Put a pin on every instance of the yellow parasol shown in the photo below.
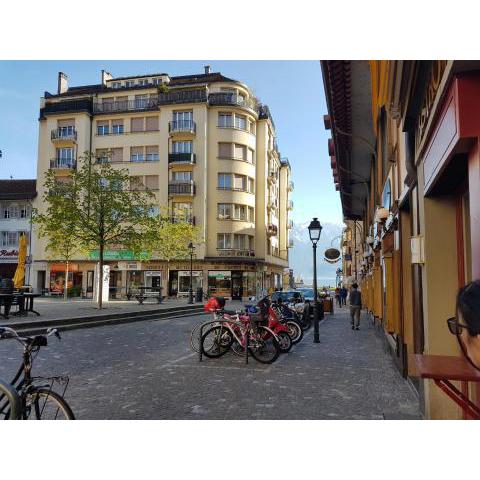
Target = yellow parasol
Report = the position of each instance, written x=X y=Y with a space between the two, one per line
x=19 y=277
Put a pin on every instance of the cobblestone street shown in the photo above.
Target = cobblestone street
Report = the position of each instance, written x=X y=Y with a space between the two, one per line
x=147 y=370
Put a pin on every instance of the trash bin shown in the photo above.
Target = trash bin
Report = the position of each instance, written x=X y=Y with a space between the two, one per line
x=199 y=295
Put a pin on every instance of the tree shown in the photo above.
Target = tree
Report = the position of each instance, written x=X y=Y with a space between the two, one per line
x=103 y=207
x=60 y=233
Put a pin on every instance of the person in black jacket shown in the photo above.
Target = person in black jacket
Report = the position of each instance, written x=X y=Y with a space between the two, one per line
x=355 y=306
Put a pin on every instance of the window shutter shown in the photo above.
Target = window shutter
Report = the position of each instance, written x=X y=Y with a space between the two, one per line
x=66 y=123
x=152 y=149
x=136 y=125
x=136 y=150
x=225 y=150
x=117 y=154
x=151 y=123
x=249 y=155
x=239 y=152
x=151 y=182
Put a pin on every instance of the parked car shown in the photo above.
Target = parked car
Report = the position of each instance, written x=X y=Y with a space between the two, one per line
x=308 y=296
x=296 y=297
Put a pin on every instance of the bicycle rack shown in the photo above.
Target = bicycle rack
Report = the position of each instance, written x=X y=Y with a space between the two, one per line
x=211 y=322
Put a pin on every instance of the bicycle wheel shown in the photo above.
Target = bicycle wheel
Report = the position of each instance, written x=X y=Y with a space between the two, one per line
x=216 y=342
x=44 y=404
x=263 y=346
x=10 y=405
x=295 y=331
x=195 y=338
x=284 y=342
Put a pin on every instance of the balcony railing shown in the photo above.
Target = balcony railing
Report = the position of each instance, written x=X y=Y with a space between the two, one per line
x=181 y=158
x=290 y=205
x=235 y=252
x=61 y=134
x=264 y=112
x=290 y=244
x=181 y=188
x=225 y=98
x=60 y=163
x=291 y=186
x=176 y=126
x=186 y=96
x=183 y=219
x=290 y=224
x=66 y=107
x=126 y=105
x=272 y=230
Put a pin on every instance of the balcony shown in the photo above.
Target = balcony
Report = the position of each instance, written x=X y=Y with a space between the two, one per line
x=290 y=224
x=235 y=252
x=63 y=164
x=186 y=96
x=68 y=106
x=183 y=219
x=272 y=177
x=64 y=135
x=290 y=243
x=182 y=126
x=140 y=104
x=226 y=98
x=291 y=186
x=181 y=158
x=290 y=205
x=272 y=230
x=181 y=188
x=272 y=204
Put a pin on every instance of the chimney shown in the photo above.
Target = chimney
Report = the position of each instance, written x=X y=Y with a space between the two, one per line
x=62 y=83
x=207 y=69
x=106 y=76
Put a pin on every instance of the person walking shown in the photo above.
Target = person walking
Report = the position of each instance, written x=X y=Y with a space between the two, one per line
x=355 y=306
x=343 y=296
x=337 y=296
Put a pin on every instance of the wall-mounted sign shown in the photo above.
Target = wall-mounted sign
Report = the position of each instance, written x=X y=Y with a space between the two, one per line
x=220 y=275
x=195 y=273
x=8 y=253
x=117 y=255
x=153 y=273
x=417 y=249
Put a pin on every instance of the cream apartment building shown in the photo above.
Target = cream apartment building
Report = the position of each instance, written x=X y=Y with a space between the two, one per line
x=206 y=148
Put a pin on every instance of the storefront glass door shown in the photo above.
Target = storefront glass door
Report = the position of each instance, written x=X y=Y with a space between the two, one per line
x=237 y=285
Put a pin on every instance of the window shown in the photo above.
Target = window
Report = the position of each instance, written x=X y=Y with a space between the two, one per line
x=251 y=242
x=182 y=176
x=141 y=101
x=225 y=181
x=241 y=122
x=250 y=154
x=130 y=83
x=117 y=155
x=12 y=239
x=65 y=128
x=136 y=124
x=239 y=212
x=225 y=120
x=102 y=128
x=239 y=152
x=64 y=156
x=151 y=124
x=25 y=211
x=143 y=83
x=6 y=212
x=152 y=153
x=224 y=211
x=239 y=182
x=102 y=155
x=251 y=214
x=225 y=150
x=186 y=116
x=182 y=147
x=251 y=185
x=116 y=84
x=224 y=241
x=156 y=81
x=151 y=182
x=122 y=103
x=117 y=127
x=136 y=154
x=239 y=242
x=107 y=104
x=182 y=210
x=251 y=127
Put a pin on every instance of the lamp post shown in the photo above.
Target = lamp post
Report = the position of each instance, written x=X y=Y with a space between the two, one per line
x=191 y=247
x=314 y=230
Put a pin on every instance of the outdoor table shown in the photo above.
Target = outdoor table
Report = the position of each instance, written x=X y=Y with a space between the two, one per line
x=28 y=307
x=442 y=370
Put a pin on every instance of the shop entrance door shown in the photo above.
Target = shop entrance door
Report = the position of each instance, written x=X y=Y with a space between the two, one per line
x=156 y=282
x=237 y=285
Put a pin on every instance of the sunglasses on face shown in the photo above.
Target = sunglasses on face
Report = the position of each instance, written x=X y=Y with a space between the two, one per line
x=455 y=327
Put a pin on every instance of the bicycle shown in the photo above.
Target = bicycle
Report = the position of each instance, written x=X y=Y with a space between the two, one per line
x=38 y=400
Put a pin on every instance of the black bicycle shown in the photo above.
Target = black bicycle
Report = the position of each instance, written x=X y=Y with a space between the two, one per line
x=33 y=398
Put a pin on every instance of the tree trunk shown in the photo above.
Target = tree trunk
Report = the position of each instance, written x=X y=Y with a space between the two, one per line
x=65 y=288
x=100 y=279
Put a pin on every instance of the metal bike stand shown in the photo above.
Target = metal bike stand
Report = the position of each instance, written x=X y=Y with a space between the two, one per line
x=247 y=340
x=200 y=354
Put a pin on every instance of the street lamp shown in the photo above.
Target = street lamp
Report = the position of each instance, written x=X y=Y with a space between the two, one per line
x=314 y=230
x=191 y=247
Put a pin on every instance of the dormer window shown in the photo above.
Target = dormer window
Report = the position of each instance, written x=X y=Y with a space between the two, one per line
x=116 y=84
x=156 y=81
x=129 y=83
x=143 y=83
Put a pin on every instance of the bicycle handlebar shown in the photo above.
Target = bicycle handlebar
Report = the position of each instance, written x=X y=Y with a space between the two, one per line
x=7 y=332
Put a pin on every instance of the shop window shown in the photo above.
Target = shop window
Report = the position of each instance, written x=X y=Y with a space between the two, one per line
x=220 y=283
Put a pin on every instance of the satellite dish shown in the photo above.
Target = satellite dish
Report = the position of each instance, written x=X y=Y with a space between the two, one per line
x=332 y=254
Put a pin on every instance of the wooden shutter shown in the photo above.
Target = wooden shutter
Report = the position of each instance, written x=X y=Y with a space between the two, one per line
x=151 y=124
x=136 y=125
x=66 y=123
x=239 y=151
x=151 y=182
x=225 y=150
x=117 y=154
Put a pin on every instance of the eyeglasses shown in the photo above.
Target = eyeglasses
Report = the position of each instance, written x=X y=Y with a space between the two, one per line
x=455 y=327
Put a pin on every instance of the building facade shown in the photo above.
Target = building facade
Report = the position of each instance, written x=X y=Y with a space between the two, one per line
x=405 y=158
x=16 y=197
x=207 y=150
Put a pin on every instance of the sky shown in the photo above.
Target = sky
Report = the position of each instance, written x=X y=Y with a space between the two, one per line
x=292 y=89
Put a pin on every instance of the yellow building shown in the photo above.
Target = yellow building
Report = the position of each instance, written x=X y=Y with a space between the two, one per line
x=206 y=148
x=406 y=161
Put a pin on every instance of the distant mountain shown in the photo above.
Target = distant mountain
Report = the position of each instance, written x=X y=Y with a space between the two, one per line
x=301 y=255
